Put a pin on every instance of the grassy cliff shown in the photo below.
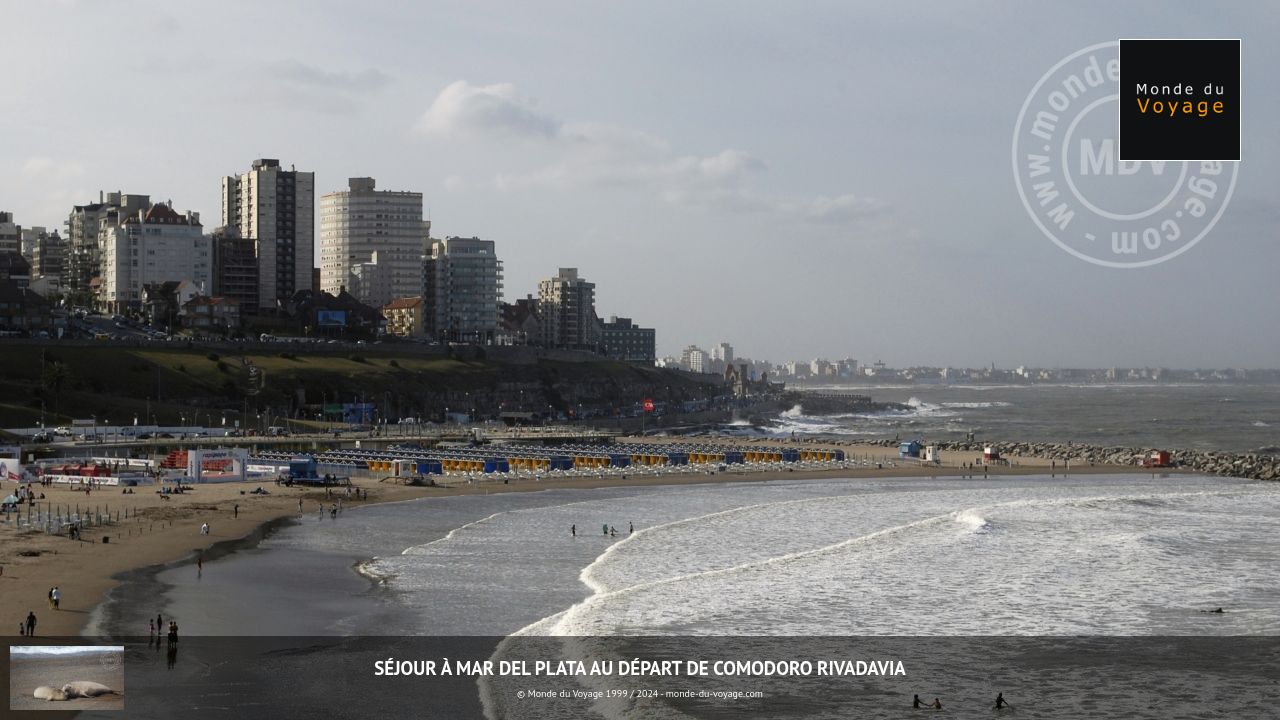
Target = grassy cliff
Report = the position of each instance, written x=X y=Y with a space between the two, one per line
x=117 y=383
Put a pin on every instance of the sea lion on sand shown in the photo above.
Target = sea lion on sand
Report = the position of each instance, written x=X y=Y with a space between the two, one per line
x=44 y=692
x=85 y=688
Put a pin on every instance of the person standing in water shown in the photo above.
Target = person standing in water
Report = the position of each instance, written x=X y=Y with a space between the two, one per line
x=1000 y=703
x=916 y=702
x=573 y=530
x=631 y=528
x=605 y=528
x=937 y=704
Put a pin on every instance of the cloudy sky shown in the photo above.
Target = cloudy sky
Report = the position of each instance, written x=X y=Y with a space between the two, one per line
x=799 y=179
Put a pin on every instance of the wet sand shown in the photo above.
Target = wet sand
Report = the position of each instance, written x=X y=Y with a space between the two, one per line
x=26 y=673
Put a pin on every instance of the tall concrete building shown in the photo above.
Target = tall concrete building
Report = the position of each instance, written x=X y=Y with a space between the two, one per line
x=45 y=251
x=276 y=209
x=152 y=247
x=567 y=304
x=462 y=289
x=371 y=242
x=235 y=268
x=722 y=352
x=85 y=227
x=10 y=233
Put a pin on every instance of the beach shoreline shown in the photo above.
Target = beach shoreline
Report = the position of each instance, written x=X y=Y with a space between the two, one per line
x=161 y=534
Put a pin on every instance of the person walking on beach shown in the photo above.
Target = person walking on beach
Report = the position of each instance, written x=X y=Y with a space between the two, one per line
x=31 y=624
x=236 y=511
x=299 y=506
x=204 y=529
x=56 y=594
x=50 y=598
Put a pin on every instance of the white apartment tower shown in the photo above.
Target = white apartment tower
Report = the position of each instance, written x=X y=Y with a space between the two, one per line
x=371 y=242
x=276 y=209
x=462 y=280
x=153 y=246
x=722 y=352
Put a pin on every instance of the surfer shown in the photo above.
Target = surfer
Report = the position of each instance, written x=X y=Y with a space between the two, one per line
x=1215 y=611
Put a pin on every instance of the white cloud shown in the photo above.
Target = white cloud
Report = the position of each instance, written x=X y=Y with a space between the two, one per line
x=463 y=108
x=588 y=155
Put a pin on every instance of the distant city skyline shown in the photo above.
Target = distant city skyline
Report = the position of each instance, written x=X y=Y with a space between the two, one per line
x=825 y=181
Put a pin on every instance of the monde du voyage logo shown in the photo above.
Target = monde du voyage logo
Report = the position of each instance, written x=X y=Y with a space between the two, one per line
x=1127 y=169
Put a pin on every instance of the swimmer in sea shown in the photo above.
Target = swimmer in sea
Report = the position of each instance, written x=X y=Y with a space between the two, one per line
x=937 y=704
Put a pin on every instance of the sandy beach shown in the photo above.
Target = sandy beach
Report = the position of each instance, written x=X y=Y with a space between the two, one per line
x=26 y=673
x=158 y=531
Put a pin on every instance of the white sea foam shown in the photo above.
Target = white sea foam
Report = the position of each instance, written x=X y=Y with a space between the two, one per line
x=63 y=650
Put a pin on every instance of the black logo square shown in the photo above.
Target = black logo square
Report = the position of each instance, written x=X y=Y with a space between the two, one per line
x=1179 y=99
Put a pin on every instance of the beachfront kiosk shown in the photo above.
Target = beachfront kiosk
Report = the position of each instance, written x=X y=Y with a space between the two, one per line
x=222 y=465
x=910 y=449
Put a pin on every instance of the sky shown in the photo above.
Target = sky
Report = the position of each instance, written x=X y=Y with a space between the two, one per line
x=798 y=179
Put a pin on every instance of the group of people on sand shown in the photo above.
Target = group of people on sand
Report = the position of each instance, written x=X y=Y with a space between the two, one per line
x=919 y=704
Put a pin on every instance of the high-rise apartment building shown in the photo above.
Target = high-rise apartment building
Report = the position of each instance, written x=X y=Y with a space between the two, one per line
x=152 y=247
x=275 y=208
x=235 y=268
x=45 y=251
x=10 y=233
x=462 y=284
x=568 y=307
x=85 y=227
x=371 y=242
x=722 y=352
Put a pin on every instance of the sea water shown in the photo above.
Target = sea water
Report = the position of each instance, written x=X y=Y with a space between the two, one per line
x=1028 y=555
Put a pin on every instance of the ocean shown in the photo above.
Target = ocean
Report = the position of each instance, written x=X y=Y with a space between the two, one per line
x=1024 y=555
x=1227 y=417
